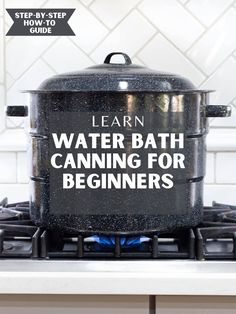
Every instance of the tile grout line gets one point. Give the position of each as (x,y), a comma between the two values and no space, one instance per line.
(81,50)
(95,16)
(14,81)
(187,2)
(193,16)
(97,45)
(43,4)
(151,38)
(177,48)
(146,43)
(69,38)
(216,69)
(139,60)
(107,35)
(219,65)
(37,59)
(90,3)
(204,31)
(208,28)
(214,21)
(50,67)
(233,102)
(233,55)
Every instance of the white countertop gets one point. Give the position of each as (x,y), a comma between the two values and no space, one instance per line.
(118,277)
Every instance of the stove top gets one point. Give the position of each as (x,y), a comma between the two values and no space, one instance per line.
(214,239)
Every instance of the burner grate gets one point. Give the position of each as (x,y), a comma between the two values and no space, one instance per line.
(18,235)
(214,239)
(216,243)
(19,241)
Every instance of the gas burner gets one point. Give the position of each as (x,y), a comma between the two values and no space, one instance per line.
(176,245)
(213,239)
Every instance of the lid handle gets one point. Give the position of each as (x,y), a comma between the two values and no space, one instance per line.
(126,57)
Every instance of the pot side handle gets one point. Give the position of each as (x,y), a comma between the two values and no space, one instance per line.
(17,111)
(213,111)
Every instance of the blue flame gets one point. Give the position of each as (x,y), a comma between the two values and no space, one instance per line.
(109,241)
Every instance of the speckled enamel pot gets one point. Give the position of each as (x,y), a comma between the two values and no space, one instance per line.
(170,104)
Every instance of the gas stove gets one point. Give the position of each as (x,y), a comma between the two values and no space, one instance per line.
(213,239)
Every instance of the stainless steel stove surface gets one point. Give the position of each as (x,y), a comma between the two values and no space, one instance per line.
(214,239)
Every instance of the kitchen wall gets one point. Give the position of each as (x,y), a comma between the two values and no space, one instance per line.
(195,38)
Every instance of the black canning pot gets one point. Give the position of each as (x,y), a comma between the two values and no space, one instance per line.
(117,148)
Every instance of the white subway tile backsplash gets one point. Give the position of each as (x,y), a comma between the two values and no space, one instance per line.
(7,167)
(161,55)
(112,12)
(226,167)
(14,192)
(216,44)
(71,58)
(207,11)
(22,168)
(210,168)
(182,29)
(220,193)
(135,28)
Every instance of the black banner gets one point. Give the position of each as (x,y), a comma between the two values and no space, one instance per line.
(40,22)
(106,163)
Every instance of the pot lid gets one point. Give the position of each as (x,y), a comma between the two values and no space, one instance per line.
(117,77)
